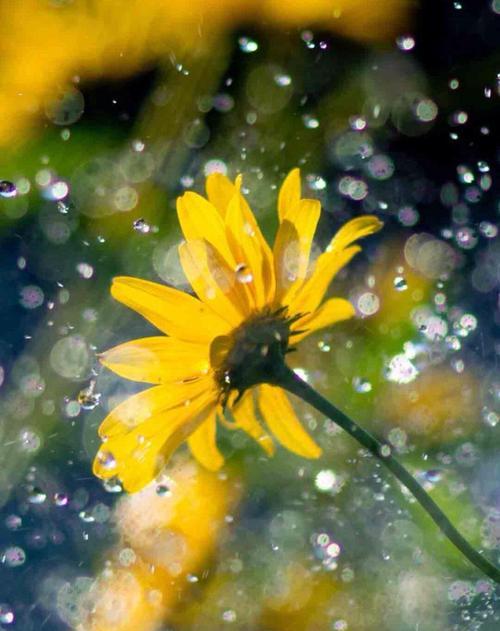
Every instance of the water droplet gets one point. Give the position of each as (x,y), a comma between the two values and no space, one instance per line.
(30,441)
(162,490)
(466,238)
(400,283)
(426,110)
(60,499)
(86,516)
(13,522)
(247,45)
(13,556)
(36,496)
(141,225)
(400,369)
(361,385)
(405,43)
(459,118)
(85,270)
(368,303)
(488,229)
(107,460)
(229,615)
(87,398)
(310,122)
(243,274)
(6,614)
(7,189)
(66,108)
(385,451)
(283,80)
(126,557)
(468,322)
(112,485)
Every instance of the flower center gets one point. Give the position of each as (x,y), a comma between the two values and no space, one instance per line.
(252,353)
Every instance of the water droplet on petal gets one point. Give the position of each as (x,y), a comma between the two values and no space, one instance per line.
(107,460)
(162,490)
(243,274)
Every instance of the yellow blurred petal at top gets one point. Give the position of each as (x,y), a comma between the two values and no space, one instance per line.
(219,344)
(48,48)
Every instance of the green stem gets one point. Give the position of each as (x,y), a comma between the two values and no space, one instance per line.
(290,381)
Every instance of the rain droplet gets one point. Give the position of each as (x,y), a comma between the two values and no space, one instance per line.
(405,43)
(229,615)
(162,490)
(400,283)
(361,385)
(60,499)
(243,274)
(141,225)
(87,398)
(107,460)
(13,556)
(247,45)
(401,370)
(310,122)
(13,522)
(37,496)
(368,303)
(6,614)
(85,270)
(488,230)
(7,189)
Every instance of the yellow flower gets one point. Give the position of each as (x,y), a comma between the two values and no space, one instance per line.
(252,305)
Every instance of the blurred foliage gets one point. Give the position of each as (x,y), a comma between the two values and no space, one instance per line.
(106,115)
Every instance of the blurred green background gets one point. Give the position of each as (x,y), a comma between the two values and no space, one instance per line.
(107,114)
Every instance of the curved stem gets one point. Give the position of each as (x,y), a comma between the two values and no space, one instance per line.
(288,380)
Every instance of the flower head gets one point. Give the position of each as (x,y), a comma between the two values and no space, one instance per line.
(219,349)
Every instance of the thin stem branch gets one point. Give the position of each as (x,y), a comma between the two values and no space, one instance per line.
(290,381)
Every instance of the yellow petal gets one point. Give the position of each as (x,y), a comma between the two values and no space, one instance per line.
(332,311)
(245,419)
(249,247)
(137,457)
(220,191)
(292,248)
(138,408)
(311,293)
(203,444)
(200,219)
(247,251)
(158,360)
(338,253)
(174,312)
(289,195)
(214,282)
(281,419)
(355,229)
